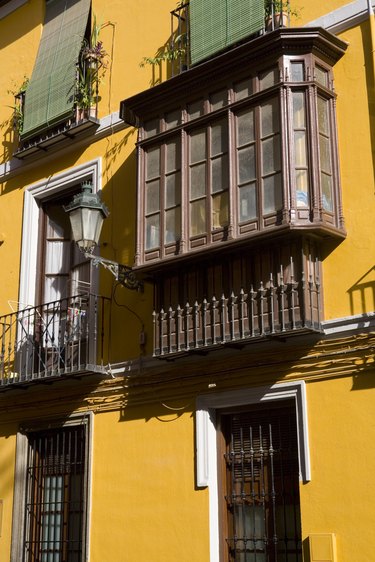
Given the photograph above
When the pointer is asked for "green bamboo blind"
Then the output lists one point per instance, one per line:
(216, 24)
(50, 94)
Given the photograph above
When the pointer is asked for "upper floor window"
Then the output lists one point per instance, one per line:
(252, 152)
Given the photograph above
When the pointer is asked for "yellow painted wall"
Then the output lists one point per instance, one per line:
(144, 484)
(341, 495)
(349, 274)
(7, 462)
(144, 503)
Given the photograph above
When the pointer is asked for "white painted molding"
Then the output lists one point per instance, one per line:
(19, 497)
(11, 7)
(349, 323)
(205, 421)
(206, 438)
(344, 18)
(34, 196)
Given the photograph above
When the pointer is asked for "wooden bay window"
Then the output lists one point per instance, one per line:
(244, 153)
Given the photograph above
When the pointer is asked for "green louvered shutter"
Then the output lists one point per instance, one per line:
(50, 94)
(245, 17)
(216, 24)
(208, 28)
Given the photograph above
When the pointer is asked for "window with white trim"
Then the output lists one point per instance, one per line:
(282, 406)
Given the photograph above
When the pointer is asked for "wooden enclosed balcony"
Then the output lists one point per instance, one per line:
(59, 338)
(273, 303)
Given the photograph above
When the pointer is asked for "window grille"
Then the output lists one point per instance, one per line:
(55, 505)
(262, 486)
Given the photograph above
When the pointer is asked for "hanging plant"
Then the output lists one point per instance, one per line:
(91, 69)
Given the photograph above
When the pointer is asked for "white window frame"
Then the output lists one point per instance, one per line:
(34, 197)
(19, 497)
(206, 438)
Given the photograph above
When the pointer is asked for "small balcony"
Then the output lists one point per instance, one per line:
(81, 122)
(177, 52)
(279, 306)
(56, 339)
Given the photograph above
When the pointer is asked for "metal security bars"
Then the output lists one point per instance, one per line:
(53, 339)
(278, 305)
(56, 495)
(262, 486)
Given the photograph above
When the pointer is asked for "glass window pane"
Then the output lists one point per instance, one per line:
(219, 99)
(272, 197)
(271, 155)
(195, 109)
(173, 190)
(57, 257)
(173, 119)
(219, 170)
(220, 210)
(325, 154)
(246, 164)
(55, 288)
(323, 116)
(219, 137)
(245, 127)
(152, 232)
(151, 128)
(299, 117)
(270, 117)
(173, 155)
(321, 76)
(300, 152)
(243, 89)
(198, 217)
(247, 202)
(197, 180)
(198, 146)
(152, 196)
(172, 225)
(153, 163)
(58, 224)
(268, 78)
(326, 182)
(297, 72)
(302, 188)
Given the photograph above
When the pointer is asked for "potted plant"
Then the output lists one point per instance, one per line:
(90, 72)
(278, 13)
(19, 104)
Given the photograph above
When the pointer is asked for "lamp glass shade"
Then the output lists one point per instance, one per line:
(86, 226)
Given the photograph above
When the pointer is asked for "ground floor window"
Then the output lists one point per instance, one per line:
(56, 485)
(259, 474)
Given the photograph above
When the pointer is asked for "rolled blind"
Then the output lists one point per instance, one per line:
(50, 94)
(216, 24)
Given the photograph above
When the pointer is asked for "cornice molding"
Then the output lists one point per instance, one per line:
(282, 41)
(344, 18)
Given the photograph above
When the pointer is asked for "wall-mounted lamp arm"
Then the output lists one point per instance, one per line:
(123, 273)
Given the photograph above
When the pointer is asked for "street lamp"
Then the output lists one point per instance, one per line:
(86, 213)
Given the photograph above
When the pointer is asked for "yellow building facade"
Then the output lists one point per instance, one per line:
(212, 400)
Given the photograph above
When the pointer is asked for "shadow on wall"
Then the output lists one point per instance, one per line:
(370, 80)
(9, 139)
(362, 293)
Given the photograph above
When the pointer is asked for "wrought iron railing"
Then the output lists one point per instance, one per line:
(53, 339)
(277, 306)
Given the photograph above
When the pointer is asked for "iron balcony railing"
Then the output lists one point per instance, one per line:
(277, 306)
(53, 339)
